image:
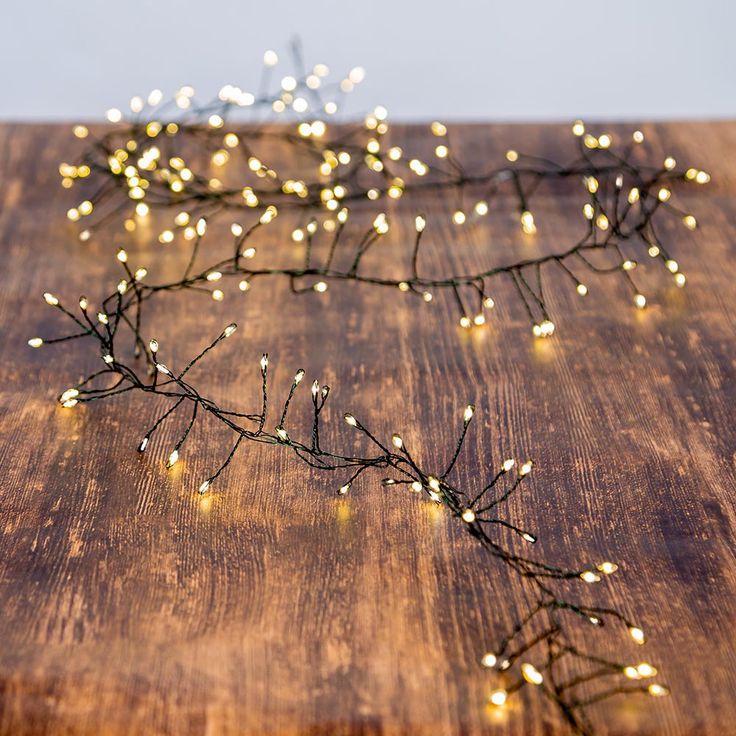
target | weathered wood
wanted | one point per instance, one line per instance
(129, 605)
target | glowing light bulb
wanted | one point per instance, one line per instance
(607, 568)
(589, 577)
(531, 674)
(465, 322)
(173, 458)
(646, 670)
(640, 301)
(51, 299)
(269, 215)
(508, 465)
(380, 224)
(351, 420)
(658, 691)
(320, 287)
(264, 363)
(143, 444)
(299, 376)
(637, 634)
(468, 516)
(230, 329)
(498, 697)
(420, 223)
(526, 468)
(205, 487)
(416, 486)
(344, 489)
(166, 237)
(396, 441)
(690, 222)
(70, 393)
(438, 129)
(153, 345)
(547, 328)
(527, 223)
(578, 129)
(581, 289)
(489, 660)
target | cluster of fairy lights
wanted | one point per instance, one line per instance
(136, 167)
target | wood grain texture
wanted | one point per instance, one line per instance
(129, 605)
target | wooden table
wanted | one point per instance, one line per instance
(130, 605)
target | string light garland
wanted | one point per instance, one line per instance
(141, 166)
(540, 649)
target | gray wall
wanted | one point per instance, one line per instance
(542, 59)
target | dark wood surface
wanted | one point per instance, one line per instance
(129, 605)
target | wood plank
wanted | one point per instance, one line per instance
(129, 605)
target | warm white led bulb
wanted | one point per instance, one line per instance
(531, 674)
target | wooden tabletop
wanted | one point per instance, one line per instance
(130, 605)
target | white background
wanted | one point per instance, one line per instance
(456, 59)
